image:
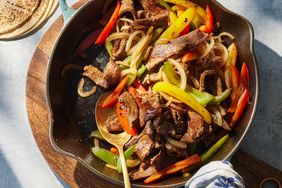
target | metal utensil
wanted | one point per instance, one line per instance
(118, 140)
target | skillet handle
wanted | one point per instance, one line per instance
(66, 10)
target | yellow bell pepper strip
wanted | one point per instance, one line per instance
(172, 17)
(110, 25)
(183, 3)
(97, 134)
(202, 97)
(113, 97)
(242, 102)
(232, 55)
(197, 22)
(127, 154)
(207, 155)
(171, 169)
(190, 56)
(236, 89)
(185, 97)
(105, 155)
(156, 34)
(179, 13)
(208, 27)
(121, 112)
(164, 4)
(174, 30)
(178, 7)
(88, 41)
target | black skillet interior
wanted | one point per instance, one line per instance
(73, 116)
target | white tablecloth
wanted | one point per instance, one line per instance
(21, 163)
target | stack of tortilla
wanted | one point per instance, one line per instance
(18, 18)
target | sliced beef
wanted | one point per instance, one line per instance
(175, 47)
(112, 73)
(164, 128)
(175, 152)
(159, 15)
(144, 147)
(141, 14)
(141, 22)
(203, 77)
(96, 76)
(148, 129)
(127, 6)
(118, 51)
(113, 124)
(179, 117)
(150, 107)
(144, 171)
(130, 105)
(150, 78)
(196, 128)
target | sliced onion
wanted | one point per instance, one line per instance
(96, 143)
(195, 82)
(148, 52)
(226, 126)
(69, 67)
(216, 116)
(132, 162)
(176, 143)
(223, 51)
(111, 167)
(181, 72)
(161, 41)
(226, 34)
(209, 47)
(81, 91)
(115, 36)
(129, 71)
(133, 36)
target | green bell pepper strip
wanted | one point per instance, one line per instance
(127, 154)
(202, 97)
(224, 95)
(156, 34)
(184, 97)
(213, 149)
(164, 4)
(131, 77)
(109, 46)
(97, 134)
(174, 30)
(141, 70)
(105, 155)
(196, 22)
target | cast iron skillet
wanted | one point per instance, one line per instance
(73, 116)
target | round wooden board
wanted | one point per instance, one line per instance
(72, 172)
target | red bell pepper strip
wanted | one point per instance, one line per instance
(108, 28)
(123, 119)
(139, 86)
(245, 76)
(174, 168)
(113, 97)
(185, 31)
(242, 102)
(88, 41)
(208, 28)
(192, 55)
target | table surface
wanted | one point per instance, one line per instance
(21, 163)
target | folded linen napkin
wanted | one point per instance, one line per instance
(216, 174)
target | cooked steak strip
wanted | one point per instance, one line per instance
(176, 46)
(127, 6)
(118, 51)
(196, 128)
(156, 13)
(113, 124)
(179, 118)
(144, 147)
(130, 105)
(150, 107)
(112, 73)
(144, 171)
(203, 77)
(96, 76)
(175, 152)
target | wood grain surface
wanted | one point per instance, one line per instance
(72, 172)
